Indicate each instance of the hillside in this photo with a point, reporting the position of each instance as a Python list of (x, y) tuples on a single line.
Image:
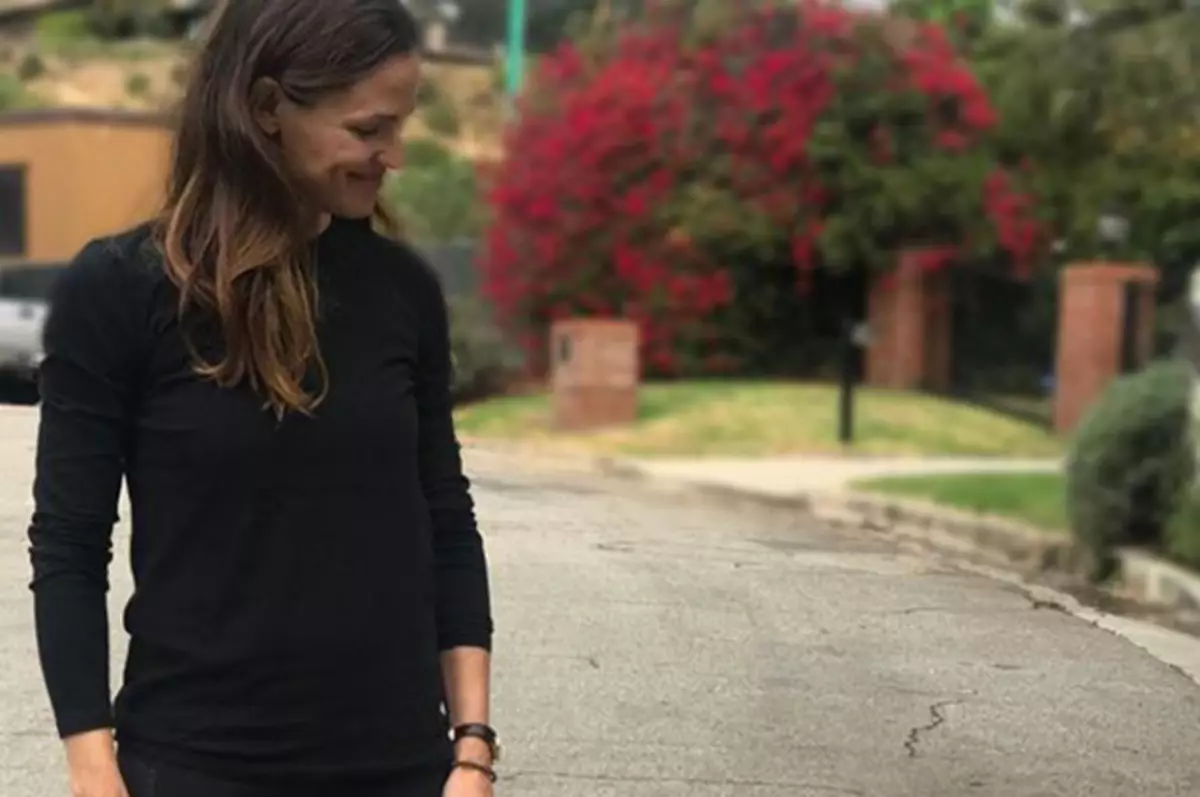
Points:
[(462, 105)]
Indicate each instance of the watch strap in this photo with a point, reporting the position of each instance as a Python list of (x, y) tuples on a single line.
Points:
[(477, 730)]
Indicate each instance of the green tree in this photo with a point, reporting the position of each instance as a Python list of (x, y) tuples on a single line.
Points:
[(704, 178), (120, 18), (436, 194), (1098, 96), (549, 22)]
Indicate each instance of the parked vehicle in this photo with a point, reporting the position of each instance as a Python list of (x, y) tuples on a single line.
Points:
[(24, 301)]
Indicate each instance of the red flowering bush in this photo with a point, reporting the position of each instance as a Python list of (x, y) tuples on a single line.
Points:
[(657, 180)]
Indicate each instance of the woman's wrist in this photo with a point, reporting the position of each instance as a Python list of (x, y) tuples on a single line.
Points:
[(476, 740), (470, 748), (91, 745), (475, 752), (476, 768), (90, 752)]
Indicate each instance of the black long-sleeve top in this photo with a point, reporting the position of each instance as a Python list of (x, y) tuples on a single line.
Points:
[(295, 580)]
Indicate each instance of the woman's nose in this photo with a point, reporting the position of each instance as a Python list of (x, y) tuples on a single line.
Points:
[(392, 157)]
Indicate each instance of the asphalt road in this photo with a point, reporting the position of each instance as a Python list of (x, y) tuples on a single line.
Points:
[(653, 648)]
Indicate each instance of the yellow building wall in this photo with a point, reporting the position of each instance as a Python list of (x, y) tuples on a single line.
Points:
[(85, 177)]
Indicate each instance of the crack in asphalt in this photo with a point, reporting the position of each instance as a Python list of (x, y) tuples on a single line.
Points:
[(690, 781), (1040, 603), (937, 718), (917, 610)]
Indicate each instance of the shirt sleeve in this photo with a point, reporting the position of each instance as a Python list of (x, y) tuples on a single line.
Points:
[(85, 383), (463, 599)]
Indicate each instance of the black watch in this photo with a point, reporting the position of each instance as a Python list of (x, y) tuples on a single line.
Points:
[(478, 730)]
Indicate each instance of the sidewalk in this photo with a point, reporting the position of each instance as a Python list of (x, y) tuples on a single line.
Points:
[(797, 475)]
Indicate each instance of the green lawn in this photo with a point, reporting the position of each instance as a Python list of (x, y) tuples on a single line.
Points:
[(737, 418), (1035, 498)]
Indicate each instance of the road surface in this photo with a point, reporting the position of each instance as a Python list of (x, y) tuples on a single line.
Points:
[(651, 648)]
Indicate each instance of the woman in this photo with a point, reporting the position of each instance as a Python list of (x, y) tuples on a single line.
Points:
[(271, 377)]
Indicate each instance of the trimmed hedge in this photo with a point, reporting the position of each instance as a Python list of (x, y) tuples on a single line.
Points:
[(435, 196), (483, 361), (1130, 464), (1183, 532)]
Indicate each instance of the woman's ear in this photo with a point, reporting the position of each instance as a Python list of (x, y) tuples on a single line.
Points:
[(266, 97)]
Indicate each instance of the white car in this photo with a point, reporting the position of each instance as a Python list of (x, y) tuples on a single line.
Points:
[(24, 301)]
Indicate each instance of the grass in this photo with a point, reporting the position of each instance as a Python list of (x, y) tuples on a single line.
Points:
[(14, 96), (734, 418), (84, 46), (1038, 499)]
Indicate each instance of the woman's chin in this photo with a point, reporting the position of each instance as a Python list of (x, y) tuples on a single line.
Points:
[(354, 208)]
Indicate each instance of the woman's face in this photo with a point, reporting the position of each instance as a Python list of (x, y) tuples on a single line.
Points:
[(340, 148)]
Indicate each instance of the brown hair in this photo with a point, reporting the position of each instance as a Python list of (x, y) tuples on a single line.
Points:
[(234, 233)]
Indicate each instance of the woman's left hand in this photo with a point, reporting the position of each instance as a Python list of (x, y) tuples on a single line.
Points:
[(468, 783)]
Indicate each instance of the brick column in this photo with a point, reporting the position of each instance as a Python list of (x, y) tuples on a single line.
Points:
[(910, 318), (1090, 321), (594, 373)]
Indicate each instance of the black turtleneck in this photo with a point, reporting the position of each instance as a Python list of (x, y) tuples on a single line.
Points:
[(295, 581)]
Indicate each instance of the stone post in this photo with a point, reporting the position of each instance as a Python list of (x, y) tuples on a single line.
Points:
[(910, 318), (594, 367), (1106, 314)]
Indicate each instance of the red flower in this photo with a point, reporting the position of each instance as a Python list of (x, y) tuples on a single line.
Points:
[(635, 174)]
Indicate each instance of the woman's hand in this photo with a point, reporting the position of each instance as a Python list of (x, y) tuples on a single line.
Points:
[(470, 781), (92, 765), (465, 782)]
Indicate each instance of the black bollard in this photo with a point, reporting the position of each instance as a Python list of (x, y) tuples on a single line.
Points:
[(846, 384)]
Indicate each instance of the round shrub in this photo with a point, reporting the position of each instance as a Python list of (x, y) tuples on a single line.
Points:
[(428, 93), (435, 196), (1183, 531), (441, 117), (180, 73), (31, 67), (426, 153), (1130, 463), (138, 85), (483, 361)]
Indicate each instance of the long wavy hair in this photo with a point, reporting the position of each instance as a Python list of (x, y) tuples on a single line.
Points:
[(235, 233)]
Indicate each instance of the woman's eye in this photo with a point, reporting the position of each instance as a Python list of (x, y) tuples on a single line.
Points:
[(365, 132)]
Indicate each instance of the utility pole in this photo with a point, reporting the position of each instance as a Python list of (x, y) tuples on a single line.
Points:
[(515, 72)]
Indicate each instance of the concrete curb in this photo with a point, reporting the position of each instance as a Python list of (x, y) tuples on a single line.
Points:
[(1158, 581), (1145, 578)]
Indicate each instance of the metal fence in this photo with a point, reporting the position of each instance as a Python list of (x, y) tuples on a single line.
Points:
[(1004, 342), (454, 263)]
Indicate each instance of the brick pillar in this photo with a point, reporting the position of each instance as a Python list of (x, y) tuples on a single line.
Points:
[(594, 377), (1091, 318), (910, 319)]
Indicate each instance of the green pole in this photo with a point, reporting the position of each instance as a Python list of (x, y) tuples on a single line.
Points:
[(516, 47)]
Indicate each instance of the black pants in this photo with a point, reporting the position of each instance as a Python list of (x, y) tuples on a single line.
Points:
[(146, 777)]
